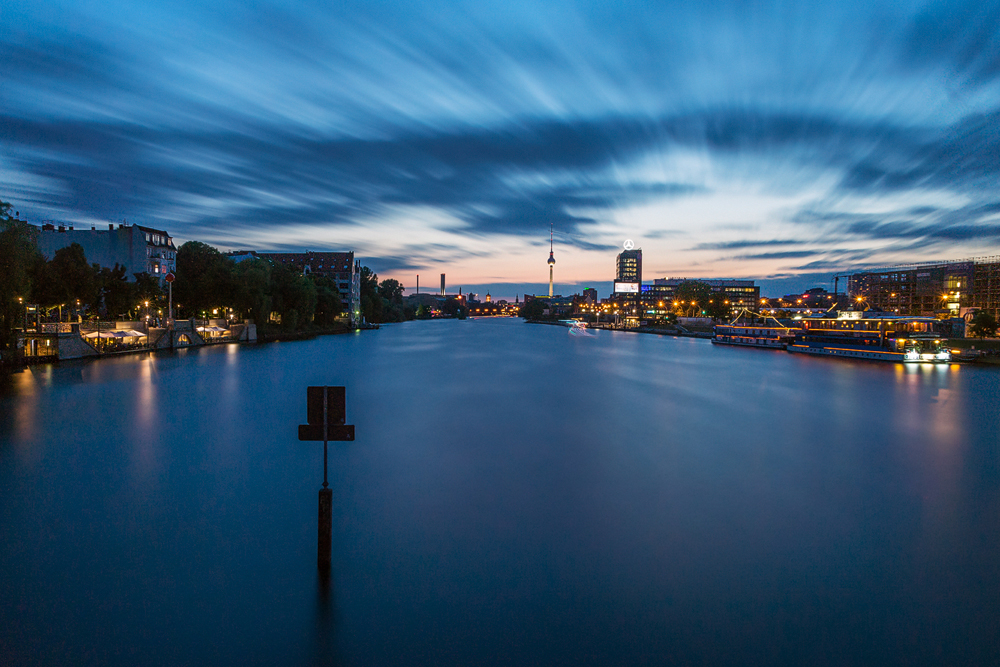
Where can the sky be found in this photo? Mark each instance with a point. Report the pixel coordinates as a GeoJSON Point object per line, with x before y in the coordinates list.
{"type": "Point", "coordinates": [785, 142]}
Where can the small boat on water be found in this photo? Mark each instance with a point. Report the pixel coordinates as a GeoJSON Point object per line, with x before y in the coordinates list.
{"type": "Point", "coordinates": [745, 330]}
{"type": "Point", "coordinates": [577, 327]}
{"type": "Point", "coordinates": [873, 335]}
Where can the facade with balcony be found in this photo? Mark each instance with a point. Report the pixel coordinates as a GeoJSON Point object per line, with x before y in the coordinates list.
{"type": "Point", "coordinates": [139, 249]}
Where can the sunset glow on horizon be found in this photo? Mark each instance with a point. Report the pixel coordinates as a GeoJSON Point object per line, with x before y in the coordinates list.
{"type": "Point", "coordinates": [726, 140]}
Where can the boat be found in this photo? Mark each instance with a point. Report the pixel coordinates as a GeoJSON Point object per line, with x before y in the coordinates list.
{"type": "Point", "coordinates": [872, 335]}
{"type": "Point", "coordinates": [773, 335]}
{"type": "Point", "coordinates": [577, 327]}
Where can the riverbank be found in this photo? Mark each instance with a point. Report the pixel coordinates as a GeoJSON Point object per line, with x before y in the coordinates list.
{"type": "Point", "coordinates": [266, 336]}
{"type": "Point", "coordinates": [70, 345]}
{"type": "Point", "coordinates": [682, 332]}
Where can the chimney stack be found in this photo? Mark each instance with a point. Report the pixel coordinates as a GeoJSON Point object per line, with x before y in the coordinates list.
{"type": "Point", "coordinates": [442, 284]}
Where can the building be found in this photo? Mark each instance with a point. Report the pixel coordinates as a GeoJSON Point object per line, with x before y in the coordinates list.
{"type": "Point", "coordinates": [340, 267]}
{"type": "Point", "coordinates": [136, 248]}
{"type": "Point", "coordinates": [551, 260]}
{"type": "Point", "coordinates": [659, 298]}
{"type": "Point", "coordinates": [810, 302]}
{"type": "Point", "coordinates": [628, 270]}
{"type": "Point", "coordinates": [942, 288]}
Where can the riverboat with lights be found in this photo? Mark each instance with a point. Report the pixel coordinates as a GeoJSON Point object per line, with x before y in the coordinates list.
{"type": "Point", "coordinates": [775, 335]}
{"type": "Point", "coordinates": [873, 335]}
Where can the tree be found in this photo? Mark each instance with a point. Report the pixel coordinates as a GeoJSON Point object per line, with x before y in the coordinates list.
{"type": "Point", "coordinates": [693, 297]}
{"type": "Point", "coordinates": [391, 290]}
{"type": "Point", "coordinates": [115, 291]}
{"type": "Point", "coordinates": [371, 301]}
{"type": "Point", "coordinates": [983, 325]}
{"type": "Point", "coordinates": [294, 297]}
{"type": "Point", "coordinates": [717, 308]}
{"type": "Point", "coordinates": [252, 289]}
{"type": "Point", "coordinates": [147, 288]}
{"type": "Point", "coordinates": [204, 278]}
{"type": "Point", "coordinates": [18, 256]}
{"type": "Point", "coordinates": [328, 303]}
{"type": "Point", "coordinates": [372, 307]}
{"type": "Point", "coordinates": [533, 310]}
{"type": "Point", "coordinates": [66, 279]}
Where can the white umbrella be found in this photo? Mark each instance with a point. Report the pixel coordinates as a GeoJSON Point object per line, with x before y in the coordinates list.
{"type": "Point", "coordinates": [99, 334]}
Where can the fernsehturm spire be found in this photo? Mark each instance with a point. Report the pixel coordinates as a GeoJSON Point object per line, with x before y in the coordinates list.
{"type": "Point", "coordinates": [552, 260]}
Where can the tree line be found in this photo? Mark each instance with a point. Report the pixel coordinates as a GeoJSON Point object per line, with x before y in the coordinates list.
{"type": "Point", "coordinates": [208, 284]}
{"type": "Point", "coordinates": [254, 288]}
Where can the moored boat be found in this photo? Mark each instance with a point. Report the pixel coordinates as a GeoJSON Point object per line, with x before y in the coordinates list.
{"type": "Point", "coordinates": [873, 335]}
{"type": "Point", "coordinates": [773, 335]}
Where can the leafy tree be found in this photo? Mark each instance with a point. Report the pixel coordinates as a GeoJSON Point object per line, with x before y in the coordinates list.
{"type": "Point", "coordinates": [204, 278]}
{"type": "Point", "coordinates": [532, 310]}
{"type": "Point", "coordinates": [115, 291]}
{"type": "Point", "coordinates": [148, 288]}
{"type": "Point", "coordinates": [371, 300]}
{"type": "Point", "coordinates": [18, 256]}
{"type": "Point", "coordinates": [983, 325]}
{"type": "Point", "coordinates": [45, 290]}
{"type": "Point", "coordinates": [369, 281]}
{"type": "Point", "coordinates": [372, 307]}
{"type": "Point", "coordinates": [717, 307]}
{"type": "Point", "coordinates": [252, 289]}
{"type": "Point", "coordinates": [693, 297]}
{"type": "Point", "coordinates": [294, 297]}
{"type": "Point", "coordinates": [423, 312]}
{"type": "Point", "coordinates": [66, 279]}
{"type": "Point", "coordinates": [391, 290]}
{"type": "Point", "coordinates": [328, 303]}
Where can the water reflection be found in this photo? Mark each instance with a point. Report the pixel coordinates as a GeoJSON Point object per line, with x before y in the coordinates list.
{"type": "Point", "coordinates": [325, 648]}
{"type": "Point", "coordinates": [143, 437]}
{"type": "Point", "coordinates": [515, 496]}
{"type": "Point", "coordinates": [22, 418]}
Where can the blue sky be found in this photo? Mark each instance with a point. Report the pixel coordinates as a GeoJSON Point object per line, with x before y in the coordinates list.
{"type": "Point", "coordinates": [778, 141]}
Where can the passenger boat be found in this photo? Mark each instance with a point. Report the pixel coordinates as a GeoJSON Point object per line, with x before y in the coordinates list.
{"type": "Point", "coordinates": [775, 335]}
{"type": "Point", "coordinates": [873, 335]}
{"type": "Point", "coordinates": [577, 327]}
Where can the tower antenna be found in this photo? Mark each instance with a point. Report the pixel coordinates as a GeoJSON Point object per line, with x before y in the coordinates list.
{"type": "Point", "coordinates": [552, 260]}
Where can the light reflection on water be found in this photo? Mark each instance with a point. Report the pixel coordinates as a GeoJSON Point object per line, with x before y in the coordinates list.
{"type": "Point", "coordinates": [515, 495]}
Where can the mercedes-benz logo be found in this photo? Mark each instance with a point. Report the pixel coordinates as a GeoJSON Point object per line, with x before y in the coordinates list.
{"type": "Point", "coordinates": [628, 244]}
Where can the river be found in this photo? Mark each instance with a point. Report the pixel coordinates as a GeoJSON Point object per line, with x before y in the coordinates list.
{"type": "Point", "coordinates": [515, 495]}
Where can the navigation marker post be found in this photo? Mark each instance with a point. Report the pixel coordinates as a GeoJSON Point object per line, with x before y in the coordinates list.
{"type": "Point", "coordinates": [326, 413]}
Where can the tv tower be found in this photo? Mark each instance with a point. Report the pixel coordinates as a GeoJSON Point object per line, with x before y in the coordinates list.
{"type": "Point", "coordinates": [552, 260]}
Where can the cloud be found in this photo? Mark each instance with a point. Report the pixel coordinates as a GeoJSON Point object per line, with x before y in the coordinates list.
{"type": "Point", "coordinates": [791, 254]}
{"type": "Point", "coordinates": [961, 35]}
{"type": "Point", "coordinates": [221, 121]}
{"type": "Point", "coordinates": [736, 245]}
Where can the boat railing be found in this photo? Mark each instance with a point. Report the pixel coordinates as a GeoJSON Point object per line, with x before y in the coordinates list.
{"type": "Point", "coordinates": [764, 318]}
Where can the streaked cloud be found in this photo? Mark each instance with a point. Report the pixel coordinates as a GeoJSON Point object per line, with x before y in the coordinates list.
{"type": "Point", "coordinates": [449, 136]}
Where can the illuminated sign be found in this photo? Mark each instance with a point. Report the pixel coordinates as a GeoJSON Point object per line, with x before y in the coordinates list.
{"type": "Point", "coordinates": [626, 288]}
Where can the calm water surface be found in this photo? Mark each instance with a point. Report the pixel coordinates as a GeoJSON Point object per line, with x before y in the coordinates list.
{"type": "Point", "coordinates": [515, 496]}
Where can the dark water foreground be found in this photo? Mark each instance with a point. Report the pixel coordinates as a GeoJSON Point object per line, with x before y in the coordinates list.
{"type": "Point", "coordinates": [515, 496]}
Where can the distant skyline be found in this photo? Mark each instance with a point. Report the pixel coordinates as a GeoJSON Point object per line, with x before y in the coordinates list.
{"type": "Point", "coordinates": [730, 139]}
